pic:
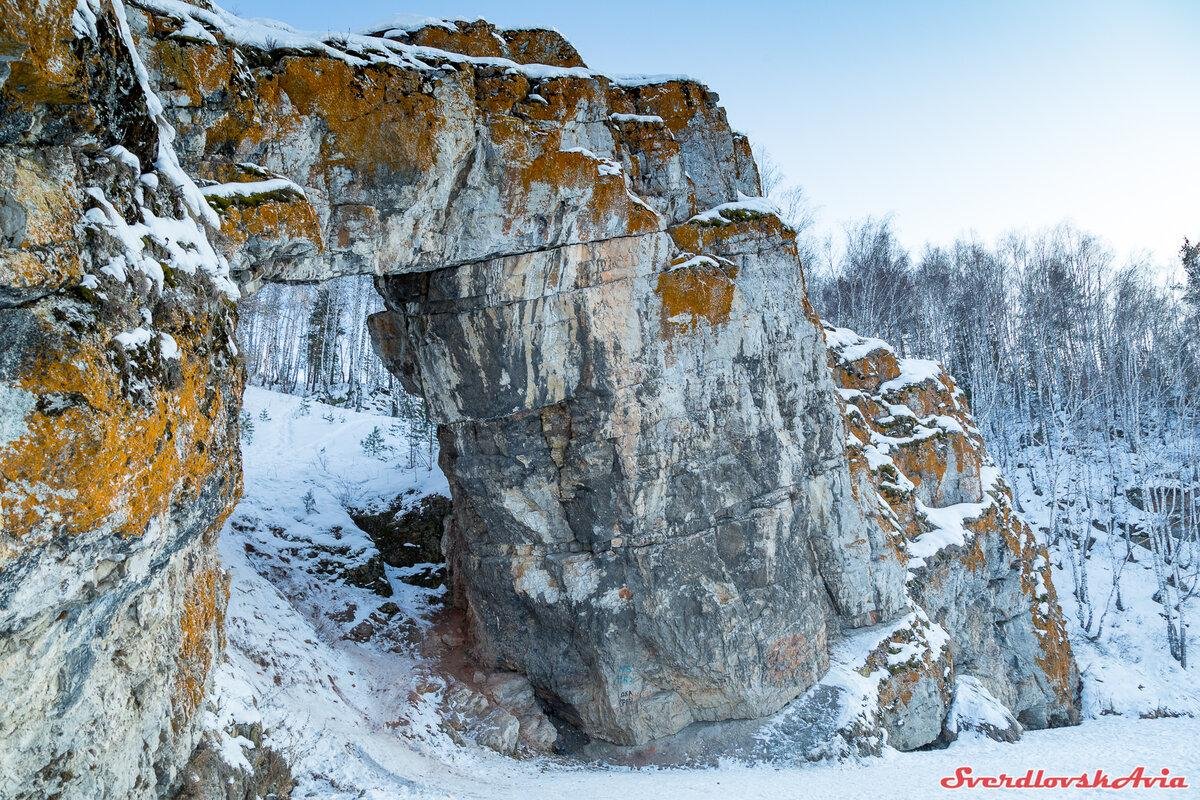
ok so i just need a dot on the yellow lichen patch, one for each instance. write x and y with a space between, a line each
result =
49 201
272 219
1057 660
476 38
496 92
378 116
39 34
29 270
47 251
201 628
693 237
541 46
899 678
105 461
923 461
572 169
694 294
199 70
975 557
868 372
648 140
566 99
677 102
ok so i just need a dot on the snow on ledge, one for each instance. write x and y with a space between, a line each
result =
359 49
251 188
950 522
726 211
633 81
644 119
913 372
849 346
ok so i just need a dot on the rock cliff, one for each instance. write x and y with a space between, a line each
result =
664 513
119 391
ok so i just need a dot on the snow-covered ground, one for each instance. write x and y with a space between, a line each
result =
332 670
1123 656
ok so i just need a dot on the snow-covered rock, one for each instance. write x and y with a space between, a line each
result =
119 452
975 566
659 515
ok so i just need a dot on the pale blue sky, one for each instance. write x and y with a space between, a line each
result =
953 116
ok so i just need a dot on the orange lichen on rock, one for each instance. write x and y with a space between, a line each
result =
898 680
37 35
541 46
377 116
566 98
1056 659
677 102
106 461
199 70
475 38
271 218
46 254
556 169
923 460
715 237
792 654
201 630
481 39
694 294
867 373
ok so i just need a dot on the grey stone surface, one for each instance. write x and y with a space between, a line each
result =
657 518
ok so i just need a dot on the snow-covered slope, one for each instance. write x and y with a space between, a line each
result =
357 716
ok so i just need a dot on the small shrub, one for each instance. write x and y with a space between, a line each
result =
246 423
374 445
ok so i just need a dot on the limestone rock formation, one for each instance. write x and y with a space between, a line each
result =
119 391
660 515
975 567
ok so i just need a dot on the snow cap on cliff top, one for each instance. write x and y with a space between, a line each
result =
407 23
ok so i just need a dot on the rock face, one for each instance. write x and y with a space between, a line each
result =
119 390
659 515
975 568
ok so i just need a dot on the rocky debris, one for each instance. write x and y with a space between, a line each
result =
975 709
409 535
499 711
263 775
495 709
